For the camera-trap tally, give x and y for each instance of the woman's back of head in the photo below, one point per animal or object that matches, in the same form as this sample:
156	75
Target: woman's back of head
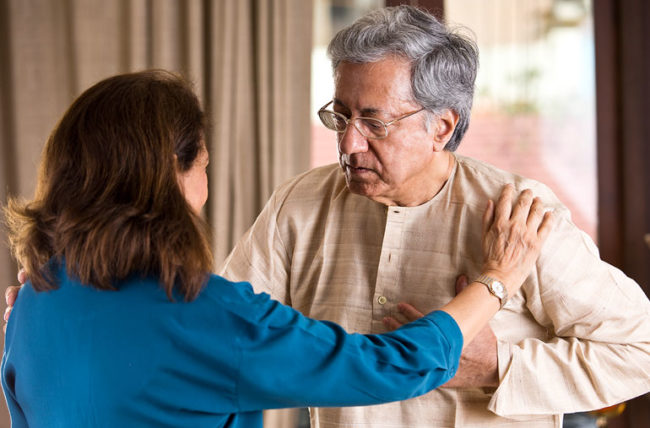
108	200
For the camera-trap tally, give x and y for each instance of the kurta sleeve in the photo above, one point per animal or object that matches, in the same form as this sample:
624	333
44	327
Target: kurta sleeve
598	322
260	256
288	360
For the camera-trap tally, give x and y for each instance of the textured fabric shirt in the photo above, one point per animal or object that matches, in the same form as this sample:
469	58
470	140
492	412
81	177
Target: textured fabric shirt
80	357
575	337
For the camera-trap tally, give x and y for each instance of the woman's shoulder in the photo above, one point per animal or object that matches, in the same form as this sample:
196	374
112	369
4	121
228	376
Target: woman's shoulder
240	299
226	292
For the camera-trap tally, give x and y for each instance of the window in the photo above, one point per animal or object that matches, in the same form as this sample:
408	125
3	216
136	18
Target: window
330	16
534	108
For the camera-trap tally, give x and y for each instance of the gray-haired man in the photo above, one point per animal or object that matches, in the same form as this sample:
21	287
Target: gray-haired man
350	247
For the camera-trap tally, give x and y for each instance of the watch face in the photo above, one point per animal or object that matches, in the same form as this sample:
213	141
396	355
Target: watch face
497	287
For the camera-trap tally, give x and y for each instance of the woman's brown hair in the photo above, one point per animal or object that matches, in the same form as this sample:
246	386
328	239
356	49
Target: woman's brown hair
108	201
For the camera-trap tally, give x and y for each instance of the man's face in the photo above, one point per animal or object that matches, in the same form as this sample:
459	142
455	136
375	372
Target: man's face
391	171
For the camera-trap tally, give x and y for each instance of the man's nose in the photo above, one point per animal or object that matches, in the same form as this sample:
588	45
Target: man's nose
351	141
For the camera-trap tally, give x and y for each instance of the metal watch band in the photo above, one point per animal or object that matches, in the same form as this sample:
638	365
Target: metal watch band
495	287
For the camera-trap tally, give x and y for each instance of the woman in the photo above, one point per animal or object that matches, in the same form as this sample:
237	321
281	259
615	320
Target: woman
121	323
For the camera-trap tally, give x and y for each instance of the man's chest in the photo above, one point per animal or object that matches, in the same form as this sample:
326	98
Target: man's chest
361	266
358	270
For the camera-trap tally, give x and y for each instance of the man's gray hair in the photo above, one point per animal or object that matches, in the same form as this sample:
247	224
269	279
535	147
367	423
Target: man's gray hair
443	62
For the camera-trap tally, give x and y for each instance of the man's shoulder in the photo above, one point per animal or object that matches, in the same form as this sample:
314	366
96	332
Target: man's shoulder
489	179
320	180
312	188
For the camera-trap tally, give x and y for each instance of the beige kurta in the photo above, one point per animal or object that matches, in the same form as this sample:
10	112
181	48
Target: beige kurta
576	336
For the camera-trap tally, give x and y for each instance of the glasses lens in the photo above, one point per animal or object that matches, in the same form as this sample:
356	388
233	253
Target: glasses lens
332	120
371	128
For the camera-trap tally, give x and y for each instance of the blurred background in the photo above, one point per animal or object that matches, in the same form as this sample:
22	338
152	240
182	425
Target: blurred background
562	96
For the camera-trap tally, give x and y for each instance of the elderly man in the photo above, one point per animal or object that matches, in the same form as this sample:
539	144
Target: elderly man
351	243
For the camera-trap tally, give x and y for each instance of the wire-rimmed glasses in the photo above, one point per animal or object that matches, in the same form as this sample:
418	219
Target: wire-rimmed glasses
369	127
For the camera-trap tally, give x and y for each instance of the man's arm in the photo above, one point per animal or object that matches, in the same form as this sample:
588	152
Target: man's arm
598	321
599	353
478	363
260	256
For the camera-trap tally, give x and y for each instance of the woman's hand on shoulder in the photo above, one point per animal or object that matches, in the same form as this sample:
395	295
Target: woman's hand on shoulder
513	236
11	293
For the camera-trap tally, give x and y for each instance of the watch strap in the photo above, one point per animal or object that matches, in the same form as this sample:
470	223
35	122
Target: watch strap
489	282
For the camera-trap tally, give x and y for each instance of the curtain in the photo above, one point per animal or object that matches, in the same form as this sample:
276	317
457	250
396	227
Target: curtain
249	61
261	62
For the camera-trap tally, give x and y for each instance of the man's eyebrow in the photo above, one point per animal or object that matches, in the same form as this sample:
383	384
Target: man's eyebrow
368	111
336	101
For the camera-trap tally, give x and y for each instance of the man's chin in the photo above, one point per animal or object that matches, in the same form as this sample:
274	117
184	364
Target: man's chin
361	187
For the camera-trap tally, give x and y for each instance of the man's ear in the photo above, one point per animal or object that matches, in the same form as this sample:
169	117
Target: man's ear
444	125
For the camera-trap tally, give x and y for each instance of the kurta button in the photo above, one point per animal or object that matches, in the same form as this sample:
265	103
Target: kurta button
381	300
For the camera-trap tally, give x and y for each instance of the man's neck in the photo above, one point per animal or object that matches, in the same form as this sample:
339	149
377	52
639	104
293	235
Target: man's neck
428	187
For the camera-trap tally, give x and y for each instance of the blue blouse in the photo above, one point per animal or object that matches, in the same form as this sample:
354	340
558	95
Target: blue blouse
80	357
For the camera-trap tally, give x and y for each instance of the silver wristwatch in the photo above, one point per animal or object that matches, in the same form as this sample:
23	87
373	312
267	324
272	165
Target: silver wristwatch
496	288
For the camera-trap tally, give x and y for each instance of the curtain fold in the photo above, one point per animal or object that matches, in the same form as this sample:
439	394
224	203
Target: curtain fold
265	134
249	61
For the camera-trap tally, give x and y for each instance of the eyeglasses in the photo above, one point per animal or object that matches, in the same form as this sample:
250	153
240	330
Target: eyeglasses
369	127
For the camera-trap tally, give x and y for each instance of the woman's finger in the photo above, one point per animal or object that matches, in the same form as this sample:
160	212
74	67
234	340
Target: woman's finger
545	228
11	293
503	207
535	215
488	216
522	206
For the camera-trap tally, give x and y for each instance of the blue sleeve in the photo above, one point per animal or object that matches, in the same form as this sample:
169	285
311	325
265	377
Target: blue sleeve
288	360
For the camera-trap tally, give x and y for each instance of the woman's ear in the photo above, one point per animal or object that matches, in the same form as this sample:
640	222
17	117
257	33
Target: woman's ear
179	173
177	166
443	128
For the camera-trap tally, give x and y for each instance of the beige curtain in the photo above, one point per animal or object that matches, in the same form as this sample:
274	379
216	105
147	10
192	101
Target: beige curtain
249	60
260	101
